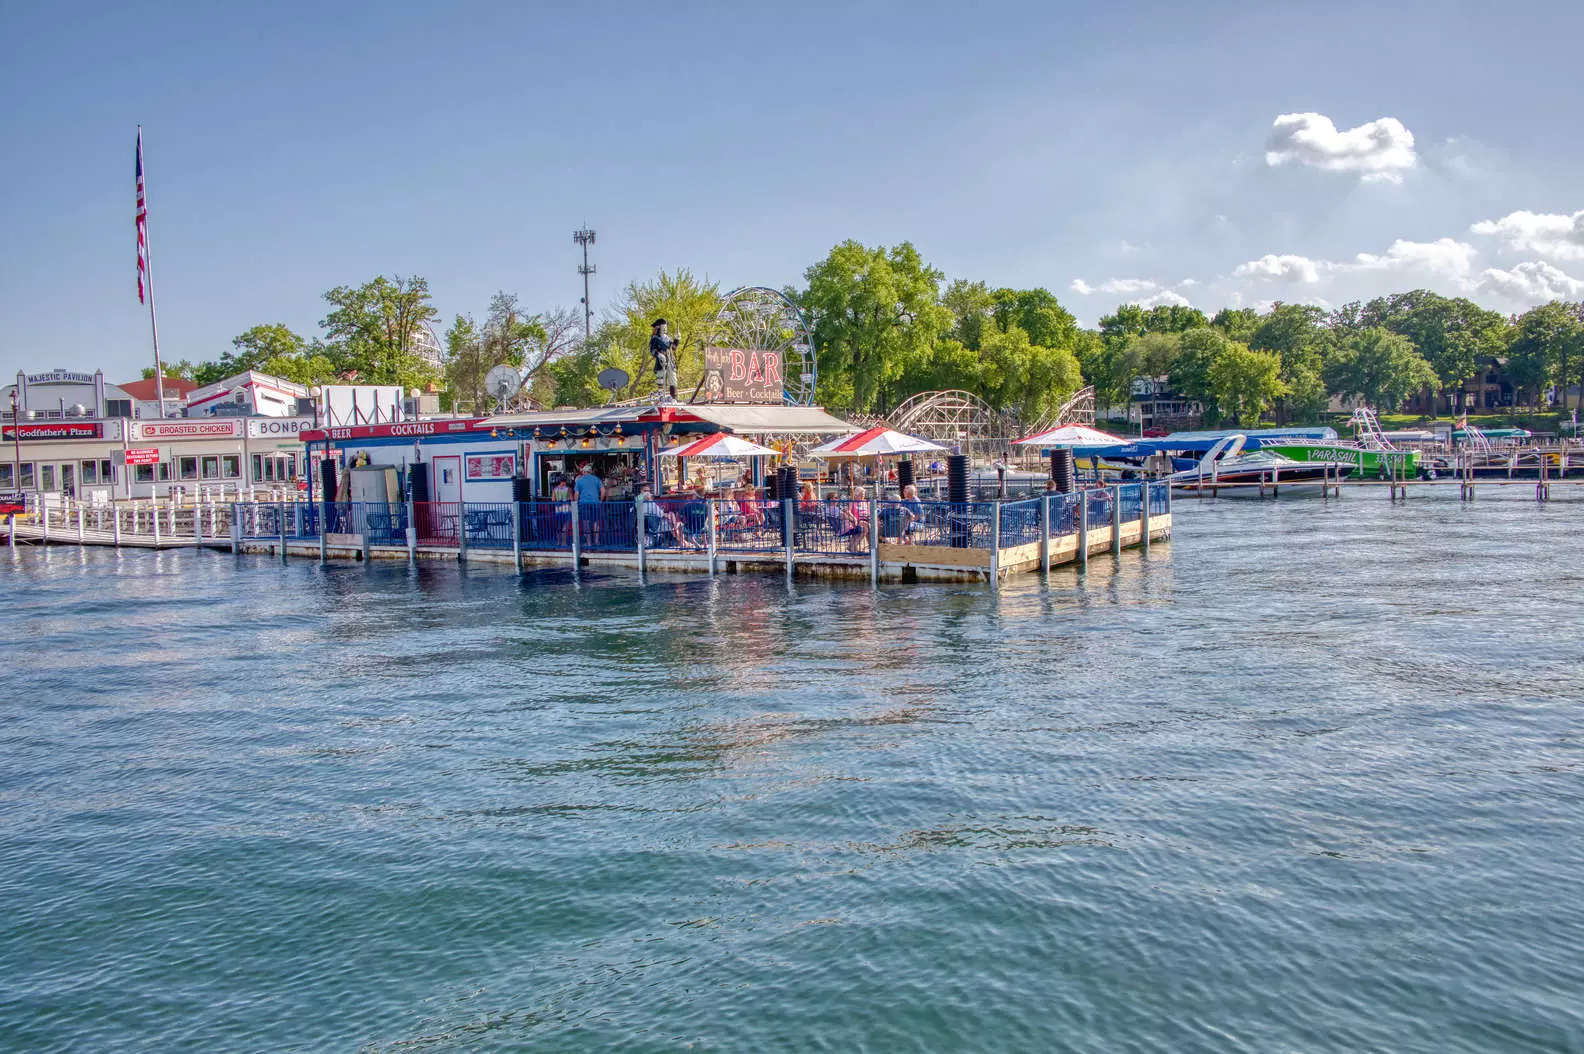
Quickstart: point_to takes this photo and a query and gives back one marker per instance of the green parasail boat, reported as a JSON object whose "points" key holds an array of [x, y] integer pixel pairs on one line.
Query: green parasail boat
{"points": [[1371, 454], [1366, 462]]}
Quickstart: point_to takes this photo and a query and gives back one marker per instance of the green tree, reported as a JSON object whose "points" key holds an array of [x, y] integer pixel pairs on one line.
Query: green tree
{"points": [[1030, 380], [1379, 367], [1245, 382], [373, 330], [876, 312], [1544, 337], [1237, 323], [1189, 375], [1294, 332], [691, 308], [1038, 313], [573, 377]]}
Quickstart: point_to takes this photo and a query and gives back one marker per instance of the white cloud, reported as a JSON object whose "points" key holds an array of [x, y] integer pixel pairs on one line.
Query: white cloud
{"points": [[1288, 267], [1381, 150], [1545, 233], [1444, 256], [1187, 283], [1125, 286], [1164, 297], [1533, 282]]}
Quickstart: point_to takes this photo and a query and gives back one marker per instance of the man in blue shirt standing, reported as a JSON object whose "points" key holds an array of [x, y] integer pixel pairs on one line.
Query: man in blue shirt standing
{"points": [[590, 492]]}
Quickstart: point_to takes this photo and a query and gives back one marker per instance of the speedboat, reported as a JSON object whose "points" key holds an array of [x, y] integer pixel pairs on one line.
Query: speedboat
{"points": [[1226, 470]]}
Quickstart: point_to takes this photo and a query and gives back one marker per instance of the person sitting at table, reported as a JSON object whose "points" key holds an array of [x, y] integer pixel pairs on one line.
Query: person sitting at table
{"points": [[913, 512], [661, 525], [855, 521]]}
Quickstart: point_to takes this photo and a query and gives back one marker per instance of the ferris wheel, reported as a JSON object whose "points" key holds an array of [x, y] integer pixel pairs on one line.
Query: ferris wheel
{"points": [[762, 319]]}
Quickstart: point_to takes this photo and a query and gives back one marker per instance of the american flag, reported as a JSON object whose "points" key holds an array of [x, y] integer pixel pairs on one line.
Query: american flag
{"points": [[142, 220]]}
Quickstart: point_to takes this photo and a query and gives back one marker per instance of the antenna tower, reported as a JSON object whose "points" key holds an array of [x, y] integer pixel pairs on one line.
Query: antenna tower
{"points": [[585, 237]]}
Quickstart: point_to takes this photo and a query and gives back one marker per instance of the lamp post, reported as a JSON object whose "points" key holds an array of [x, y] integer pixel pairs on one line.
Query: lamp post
{"points": [[16, 440]]}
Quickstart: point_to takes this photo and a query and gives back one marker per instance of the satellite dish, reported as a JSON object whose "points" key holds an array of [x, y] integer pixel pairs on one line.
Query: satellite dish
{"points": [[612, 379], [502, 383]]}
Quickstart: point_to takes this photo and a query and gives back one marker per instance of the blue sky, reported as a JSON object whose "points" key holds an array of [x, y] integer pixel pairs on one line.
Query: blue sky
{"points": [[1129, 150]]}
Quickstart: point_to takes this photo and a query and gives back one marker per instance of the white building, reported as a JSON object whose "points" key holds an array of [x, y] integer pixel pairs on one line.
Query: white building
{"points": [[250, 394]]}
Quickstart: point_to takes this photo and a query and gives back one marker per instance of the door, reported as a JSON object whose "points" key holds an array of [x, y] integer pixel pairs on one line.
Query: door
{"points": [[68, 480], [447, 478], [445, 519]]}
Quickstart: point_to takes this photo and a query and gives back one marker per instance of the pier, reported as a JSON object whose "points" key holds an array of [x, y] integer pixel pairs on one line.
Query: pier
{"points": [[885, 540]]}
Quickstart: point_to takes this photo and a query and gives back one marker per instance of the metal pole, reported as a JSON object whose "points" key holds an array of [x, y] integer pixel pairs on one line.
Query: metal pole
{"points": [[461, 532], [236, 527], [282, 523], [1044, 546], [1144, 514], [79, 524], [516, 525], [115, 524], [874, 543], [1116, 520], [788, 530], [1083, 528], [709, 507], [995, 546], [577, 534], [153, 521], [411, 531], [640, 535]]}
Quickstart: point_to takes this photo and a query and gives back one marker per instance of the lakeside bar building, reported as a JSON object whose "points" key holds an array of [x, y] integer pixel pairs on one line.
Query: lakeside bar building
{"points": [[518, 456]]}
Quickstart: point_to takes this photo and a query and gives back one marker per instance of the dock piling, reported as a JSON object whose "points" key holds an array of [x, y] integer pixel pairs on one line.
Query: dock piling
{"points": [[788, 531], [874, 540], [1116, 520], [1083, 529], [640, 537], [1144, 516], [1044, 525], [711, 508]]}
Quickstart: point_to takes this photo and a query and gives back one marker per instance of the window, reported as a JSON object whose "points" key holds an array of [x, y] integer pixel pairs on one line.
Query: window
{"points": [[118, 407], [230, 466], [149, 473], [187, 468], [107, 472], [90, 473], [48, 474], [7, 477], [27, 475], [258, 469], [211, 467]]}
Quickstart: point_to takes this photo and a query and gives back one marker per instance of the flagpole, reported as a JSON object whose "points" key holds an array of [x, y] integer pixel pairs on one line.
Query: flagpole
{"points": [[148, 257]]}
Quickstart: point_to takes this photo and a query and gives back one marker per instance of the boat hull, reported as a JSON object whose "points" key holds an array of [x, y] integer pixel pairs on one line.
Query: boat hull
{"points": [[1375, 464]]}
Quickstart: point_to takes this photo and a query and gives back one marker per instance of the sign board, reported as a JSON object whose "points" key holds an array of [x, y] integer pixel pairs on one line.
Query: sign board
{"points": [[230, 428], [60, 377], [143, 456], [53, 430], [742, 375], [349, 405], [416, 429], [278, 427]]}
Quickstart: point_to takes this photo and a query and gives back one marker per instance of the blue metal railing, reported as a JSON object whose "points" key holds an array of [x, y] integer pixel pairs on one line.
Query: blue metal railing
{"points": [[831, 525]]}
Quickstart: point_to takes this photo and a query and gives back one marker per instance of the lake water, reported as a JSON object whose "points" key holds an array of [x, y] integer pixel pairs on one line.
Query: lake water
{"points": [[1307, 778]]}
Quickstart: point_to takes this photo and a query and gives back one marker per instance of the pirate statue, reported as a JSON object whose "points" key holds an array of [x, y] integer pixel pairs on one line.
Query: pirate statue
{"points": [[663, 348]]}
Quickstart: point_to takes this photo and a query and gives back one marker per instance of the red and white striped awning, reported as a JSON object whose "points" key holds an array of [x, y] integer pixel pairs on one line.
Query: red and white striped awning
{"points": [[721, 444], [878, 440]]}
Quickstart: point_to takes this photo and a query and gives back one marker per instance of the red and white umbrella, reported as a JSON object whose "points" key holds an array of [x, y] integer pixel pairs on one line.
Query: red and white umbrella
{"points": [[878, 440], [721, 444], [1071, 435]]}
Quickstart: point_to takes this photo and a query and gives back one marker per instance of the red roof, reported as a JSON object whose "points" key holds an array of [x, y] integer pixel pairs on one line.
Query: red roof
{"points": [[143, 390]]}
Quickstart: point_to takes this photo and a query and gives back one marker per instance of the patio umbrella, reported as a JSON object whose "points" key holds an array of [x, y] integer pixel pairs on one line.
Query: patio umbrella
{"points": [[721, 444], [877, 441], [1071, 435]]}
